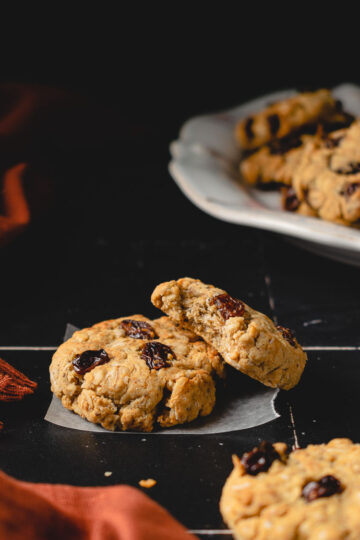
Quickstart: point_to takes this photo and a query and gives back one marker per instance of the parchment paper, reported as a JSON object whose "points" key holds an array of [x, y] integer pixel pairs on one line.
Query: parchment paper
{"points": [[241, 404]]}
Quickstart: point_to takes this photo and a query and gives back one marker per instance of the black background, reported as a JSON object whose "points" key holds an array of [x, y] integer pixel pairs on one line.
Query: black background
{"points": [[120, 226]]}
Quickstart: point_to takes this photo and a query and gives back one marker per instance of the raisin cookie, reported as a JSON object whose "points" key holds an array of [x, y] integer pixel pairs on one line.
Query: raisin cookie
{"points": [[247, 340], [326, 181], [285, 117], [274, 163], [131, 372], [313, 493]]}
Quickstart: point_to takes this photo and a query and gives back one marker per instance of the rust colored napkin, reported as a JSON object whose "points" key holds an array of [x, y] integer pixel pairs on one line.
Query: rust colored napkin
{"points": [[21, 108], [39, 127], [14, 385], [59, 512], [16, 213]]}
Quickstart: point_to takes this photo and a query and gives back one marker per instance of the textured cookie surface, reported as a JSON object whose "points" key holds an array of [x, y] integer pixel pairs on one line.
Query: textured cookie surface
{"points": [[284, 117], [314, 493], [247, 340], [327, 179], [274, 163], [129, 373]]}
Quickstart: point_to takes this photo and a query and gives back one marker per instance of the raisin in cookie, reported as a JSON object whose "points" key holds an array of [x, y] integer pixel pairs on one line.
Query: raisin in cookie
{"points": [[313, 493], [285, 117], [131, 372], [247, 340], [327, 178]]}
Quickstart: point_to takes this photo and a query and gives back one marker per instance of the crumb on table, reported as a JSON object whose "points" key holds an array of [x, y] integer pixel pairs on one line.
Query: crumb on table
{"points": [[148, 483]]}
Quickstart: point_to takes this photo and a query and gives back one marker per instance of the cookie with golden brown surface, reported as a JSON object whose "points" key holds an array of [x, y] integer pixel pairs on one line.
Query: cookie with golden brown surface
{"points": [[247, 339], [288, 116], [310, 494], [274, 163], [326, 181], [132, 373]]}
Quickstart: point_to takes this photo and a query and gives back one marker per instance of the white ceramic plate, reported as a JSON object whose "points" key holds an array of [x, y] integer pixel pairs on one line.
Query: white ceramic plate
{"points": [[205, 166]]}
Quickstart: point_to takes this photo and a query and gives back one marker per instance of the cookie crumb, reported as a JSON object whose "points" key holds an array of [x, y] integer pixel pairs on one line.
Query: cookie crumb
{"points": [[149, 483], [107, 473]]}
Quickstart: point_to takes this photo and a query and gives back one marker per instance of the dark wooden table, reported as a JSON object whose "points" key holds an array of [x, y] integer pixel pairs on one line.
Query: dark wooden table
{"points": [[120, 227]]}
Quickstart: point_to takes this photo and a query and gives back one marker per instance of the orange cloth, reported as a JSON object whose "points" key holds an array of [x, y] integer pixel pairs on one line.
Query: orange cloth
{"points": [[14, 385], [16, 209], [58, 512], [38, 127]]}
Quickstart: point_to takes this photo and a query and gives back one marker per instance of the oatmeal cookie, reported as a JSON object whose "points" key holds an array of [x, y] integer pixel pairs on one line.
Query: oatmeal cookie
{"points": [[274, 163], [327, 178], [285, 117], [247, 340], [313, 493], [129, 373]]}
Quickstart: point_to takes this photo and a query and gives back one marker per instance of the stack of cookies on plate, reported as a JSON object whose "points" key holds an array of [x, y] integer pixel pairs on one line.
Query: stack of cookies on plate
{"points": [[309, 148], [133, 373]]}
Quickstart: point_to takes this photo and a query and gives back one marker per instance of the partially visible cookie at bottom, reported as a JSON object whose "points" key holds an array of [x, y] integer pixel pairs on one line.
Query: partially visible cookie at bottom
{"points": [[310, 494], [132, 373]]}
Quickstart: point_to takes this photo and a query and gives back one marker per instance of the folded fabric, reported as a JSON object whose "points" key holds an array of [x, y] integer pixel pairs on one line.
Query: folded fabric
{"points": [[16, 214], [14, 385], [42, 511], [39, 126]]}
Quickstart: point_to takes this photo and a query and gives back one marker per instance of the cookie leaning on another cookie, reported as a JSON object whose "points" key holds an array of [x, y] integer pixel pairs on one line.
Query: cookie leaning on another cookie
{"points": [[313, 493], [247, 340], [131, 372]]}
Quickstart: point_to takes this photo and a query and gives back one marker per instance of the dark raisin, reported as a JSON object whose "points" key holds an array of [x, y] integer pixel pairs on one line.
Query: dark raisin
{"points": [[88, 360], [350, 189], [347, 120], [338, 105], [228, 306], [352, 168], [290, 202], [274, 123], [332, 142], [157, 355], [260, 458], [325, 487], [288, 335], [268, 186], [248, 128], [281, 146], [138, 329]]}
